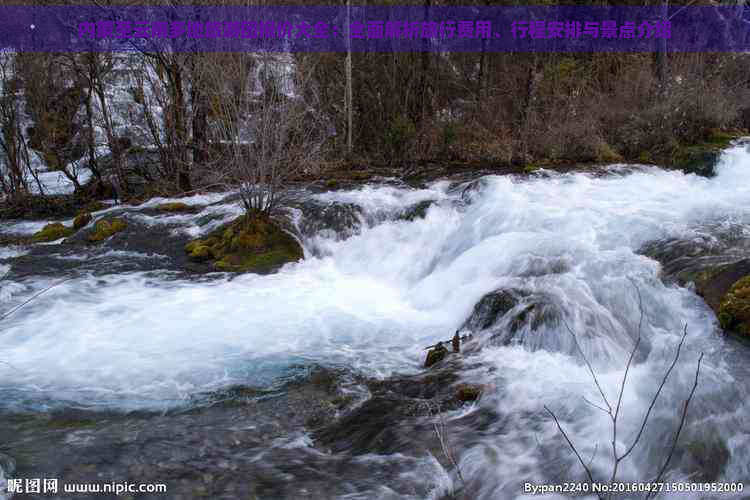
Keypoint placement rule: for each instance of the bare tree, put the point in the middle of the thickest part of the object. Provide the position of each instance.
(54, 97)
(266, 128)
(613, 410)
(14, 155)
(348, 95)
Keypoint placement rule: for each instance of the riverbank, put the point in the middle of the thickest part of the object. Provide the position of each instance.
(696, 158)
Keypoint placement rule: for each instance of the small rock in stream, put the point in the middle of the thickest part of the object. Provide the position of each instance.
(435, 355)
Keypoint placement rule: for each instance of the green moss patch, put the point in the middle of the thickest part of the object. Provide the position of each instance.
(95, 206)
(466, 392)
(106, 228)
(734, 311)
(81, 220)
(249, 244)
(175, 206)
(56, 230)
(51, 232)
(722, 138)
(700, 158)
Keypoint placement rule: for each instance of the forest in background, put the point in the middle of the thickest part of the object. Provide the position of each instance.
(149, 123)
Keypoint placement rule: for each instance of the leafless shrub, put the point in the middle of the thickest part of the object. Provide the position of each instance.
(613, 410)
(267, 129)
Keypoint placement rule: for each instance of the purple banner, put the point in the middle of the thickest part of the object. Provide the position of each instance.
(559, 28)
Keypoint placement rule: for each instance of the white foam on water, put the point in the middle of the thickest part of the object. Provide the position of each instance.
(11, 252)
(56, 183)
(193, 200)
(387, 198)
(22, 227)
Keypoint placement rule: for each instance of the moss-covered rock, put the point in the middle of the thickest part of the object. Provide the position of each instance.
(701, 158)
(435, 355)
(51, 232)
(201, 253)
(734, 311)
(81, 220)
(106, 228)
(95, 206)
(466, 392)
(417, 211)
(491, 308)
(249, 244)
(175, 206)
(332, 183)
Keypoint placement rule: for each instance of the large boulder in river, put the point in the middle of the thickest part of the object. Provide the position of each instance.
(713, 283)
(491, 308)
(334, 219)
(726, 289)
(507, 314)
(416, 211)
(52, 232)
(252, 243)
(709, 263)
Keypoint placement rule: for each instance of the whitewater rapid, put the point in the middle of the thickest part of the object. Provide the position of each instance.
(372, 301)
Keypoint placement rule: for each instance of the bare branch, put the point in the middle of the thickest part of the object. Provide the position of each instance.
(33, 297)
(679, 428)
(615, 413)
(632, 353)
(656, 396)
(441, 430)
(588, 365)
(624, 381)
(596, 405)
(572, 446)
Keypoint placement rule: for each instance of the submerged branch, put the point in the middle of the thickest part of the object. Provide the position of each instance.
(32, 298)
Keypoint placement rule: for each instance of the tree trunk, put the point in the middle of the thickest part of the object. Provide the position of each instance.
(348, 97)
(662, 67)
(200, 125)
(91, 138)
(180, 128)
(425, 76)
(482, 72)
(526, 108)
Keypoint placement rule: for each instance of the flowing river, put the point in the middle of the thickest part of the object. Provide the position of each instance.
(369, 300)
